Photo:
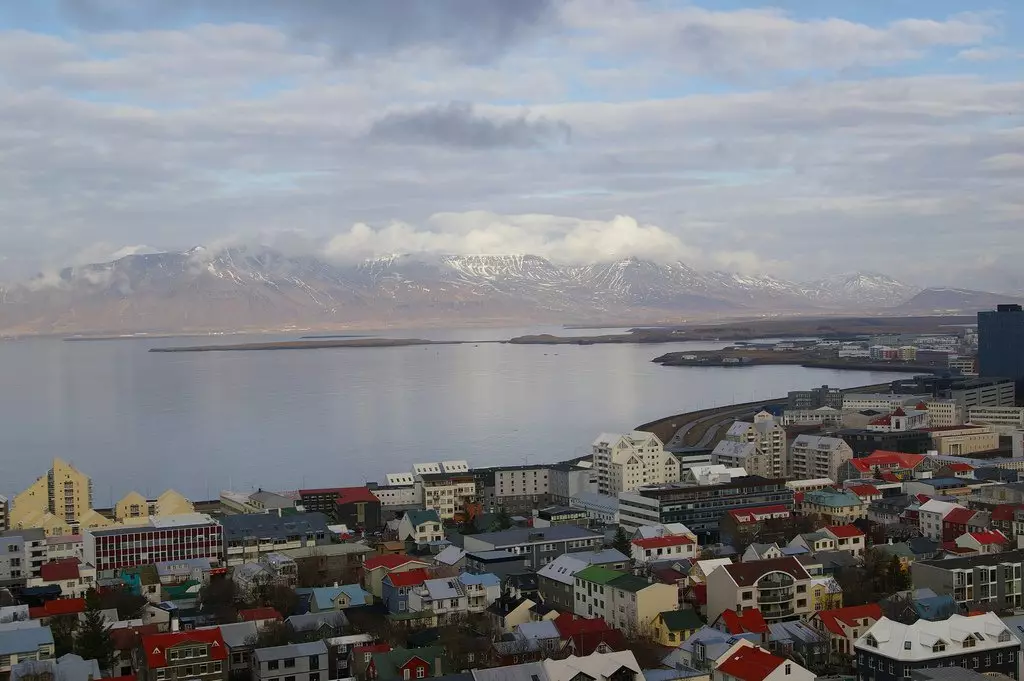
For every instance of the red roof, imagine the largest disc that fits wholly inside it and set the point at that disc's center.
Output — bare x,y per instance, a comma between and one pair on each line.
587,642
155,646
752,515
60,570
373,648
389,561
750,620
899,412
844,531
662,542
864,490
850,616
257,614
350,495
750,664
1004,512
409,577
960,467
798,497
959,516
921,406
127,638
60,606
884,458
570,625
668,575
880,421
988,537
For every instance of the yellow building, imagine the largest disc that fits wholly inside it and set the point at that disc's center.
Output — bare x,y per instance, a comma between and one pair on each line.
826,594
135,509
672,627
59,503
963,440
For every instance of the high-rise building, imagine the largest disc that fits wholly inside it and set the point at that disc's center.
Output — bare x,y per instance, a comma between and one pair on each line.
769,439
59,502
815,398
5,513
1001,342
630,460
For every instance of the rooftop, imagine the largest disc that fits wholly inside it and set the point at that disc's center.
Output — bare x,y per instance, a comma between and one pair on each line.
750,663
527,535
746,574
271,526
917,641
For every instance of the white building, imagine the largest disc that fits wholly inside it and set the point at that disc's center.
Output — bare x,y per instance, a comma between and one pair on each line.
1006,420
822,416
731,454
627,461
814,456
600,508
944,413
673,541
931,515
881,401
747,662
769,439
402,489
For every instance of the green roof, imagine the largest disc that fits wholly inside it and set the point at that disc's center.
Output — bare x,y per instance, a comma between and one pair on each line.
417,518
900,550
598,574
629,583
388,665
682,620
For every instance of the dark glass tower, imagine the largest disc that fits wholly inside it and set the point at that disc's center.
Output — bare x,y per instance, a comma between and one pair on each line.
1001,342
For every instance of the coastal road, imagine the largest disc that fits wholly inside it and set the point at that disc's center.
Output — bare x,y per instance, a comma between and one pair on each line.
711,423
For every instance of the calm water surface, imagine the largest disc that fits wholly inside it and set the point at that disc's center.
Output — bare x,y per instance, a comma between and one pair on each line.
283,419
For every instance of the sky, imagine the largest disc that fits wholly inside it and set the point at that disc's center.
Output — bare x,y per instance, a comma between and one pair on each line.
799,138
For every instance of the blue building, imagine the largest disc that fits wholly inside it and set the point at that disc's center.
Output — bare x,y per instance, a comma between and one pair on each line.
1001,342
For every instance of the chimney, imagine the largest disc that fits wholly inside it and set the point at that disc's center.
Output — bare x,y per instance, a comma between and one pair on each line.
437,666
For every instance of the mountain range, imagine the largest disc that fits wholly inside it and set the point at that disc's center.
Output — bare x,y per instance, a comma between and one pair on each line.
262,289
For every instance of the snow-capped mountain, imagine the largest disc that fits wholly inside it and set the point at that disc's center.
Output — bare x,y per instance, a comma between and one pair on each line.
259,288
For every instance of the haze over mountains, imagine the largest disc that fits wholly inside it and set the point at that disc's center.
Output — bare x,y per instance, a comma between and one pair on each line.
262,289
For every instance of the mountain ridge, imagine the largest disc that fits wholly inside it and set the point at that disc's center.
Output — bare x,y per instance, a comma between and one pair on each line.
249,288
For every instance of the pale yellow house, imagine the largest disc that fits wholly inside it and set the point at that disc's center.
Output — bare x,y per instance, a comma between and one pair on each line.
135,509
826,594
59,503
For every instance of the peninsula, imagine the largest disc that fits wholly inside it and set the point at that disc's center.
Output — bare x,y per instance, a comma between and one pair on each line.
309,345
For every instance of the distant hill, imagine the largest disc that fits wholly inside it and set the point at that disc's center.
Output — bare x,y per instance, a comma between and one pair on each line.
953,300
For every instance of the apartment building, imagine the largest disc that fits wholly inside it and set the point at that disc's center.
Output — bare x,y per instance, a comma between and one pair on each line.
843,626
731,454
134,508
24,644
249,537
539,546
625,601
448,487
965,391
931,515
22,556
555,581
655,543
963,440
74,577
401,490
944,413
195,654
984,579
700,507
59,502
891,651
293,662
815,398
1005,420
834,507
769,439
5,514
816,456
886,402
521,489
778,587
822,416
624,462
195,535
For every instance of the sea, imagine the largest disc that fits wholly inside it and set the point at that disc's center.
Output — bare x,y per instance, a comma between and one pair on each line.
287,419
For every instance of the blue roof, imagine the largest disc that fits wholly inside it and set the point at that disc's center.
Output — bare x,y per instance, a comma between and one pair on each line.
793,550
946,482
24,640
483,579
324,596
935,608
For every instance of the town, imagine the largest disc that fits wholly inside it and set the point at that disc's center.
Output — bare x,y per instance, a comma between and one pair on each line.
832,534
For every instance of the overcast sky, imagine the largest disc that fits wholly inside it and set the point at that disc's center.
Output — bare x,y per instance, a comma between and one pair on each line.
800,139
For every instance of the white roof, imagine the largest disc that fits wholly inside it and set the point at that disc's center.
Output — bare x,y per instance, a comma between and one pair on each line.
739,428
636,438
667,530
712,564
596,666
562,569
180,520
398,479
819,442
449,555
424,468
459,466
917,641
936,506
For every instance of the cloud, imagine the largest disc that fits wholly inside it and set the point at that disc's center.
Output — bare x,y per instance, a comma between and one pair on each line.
458,125
558,238
977,54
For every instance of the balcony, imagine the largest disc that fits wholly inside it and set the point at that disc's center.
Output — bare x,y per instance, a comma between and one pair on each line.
775,596
778,612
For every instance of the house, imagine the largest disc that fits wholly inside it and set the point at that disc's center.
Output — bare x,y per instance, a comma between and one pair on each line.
74,577
539,546
931,516
126,640
339,597
56,608
509,611
240,639
197,654
259,616
900,464
69,667
585,636
742,523
962,520
376,568
320,625
834,507
500,563
294,662
843,626
481,590
421,527
798,641
814,542
667,547
761,552
451,557
397,586
672,627
405,664
889,650
529,642
988,541
751,663
848,538
357,508
702,569
749,621
555,580
444,598
627,602
186,570
825,592
779,587
24,644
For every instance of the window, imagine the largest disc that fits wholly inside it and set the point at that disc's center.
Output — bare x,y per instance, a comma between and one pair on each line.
939,647
202,669
289,663
969,642
789,668
289,678
421,672
314,662
189,670
272,664
161,673
906,645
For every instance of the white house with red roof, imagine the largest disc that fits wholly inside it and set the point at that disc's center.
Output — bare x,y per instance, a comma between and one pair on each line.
663,542
759,514
195,654
931,516
986,541
752,663
378,567
899,420
74,577
866,491
847,538
843,626
898,464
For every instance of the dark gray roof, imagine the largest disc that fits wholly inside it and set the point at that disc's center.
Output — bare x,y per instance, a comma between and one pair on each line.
269,525
291,650
312,621
528,535
1015,556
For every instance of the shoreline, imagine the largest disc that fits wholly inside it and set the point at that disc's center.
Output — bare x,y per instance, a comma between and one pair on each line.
311,345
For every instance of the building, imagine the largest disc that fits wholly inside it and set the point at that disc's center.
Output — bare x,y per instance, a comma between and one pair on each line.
864,442
891,651
885,402
59,502
375,569
834,507
248,537
260,501
400,663
73,577
5,514
748,662
931,516
843,626
555,580
777,587
1000,338
769,439
624,462
521,489
900,420
166,538
986,541
358,508
421,527
700,507
815,456
881,463
18,645
963,440
822,416
625,601
1004,419
748,523
196,654
942,413
293,662
561,515
134,508
815,398
22,556
731,454
500,563
991,579
539,546
401,491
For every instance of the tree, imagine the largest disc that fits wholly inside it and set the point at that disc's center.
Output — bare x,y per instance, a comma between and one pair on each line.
63,629
621,541
92,639
220,598
274,633
127,604
469,527
502,519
